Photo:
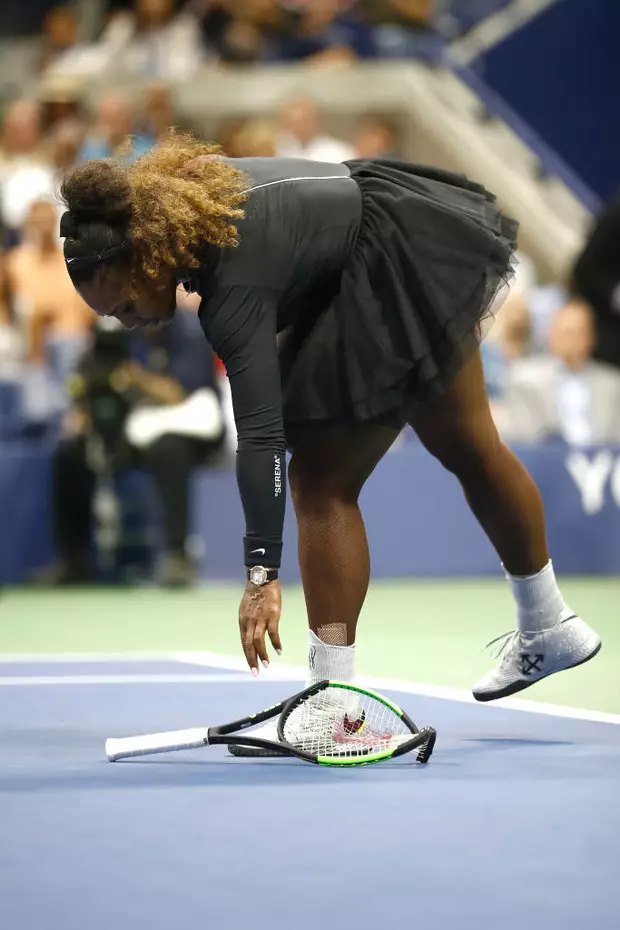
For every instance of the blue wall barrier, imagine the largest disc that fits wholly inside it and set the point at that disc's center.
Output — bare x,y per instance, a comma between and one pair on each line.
559,73
418,523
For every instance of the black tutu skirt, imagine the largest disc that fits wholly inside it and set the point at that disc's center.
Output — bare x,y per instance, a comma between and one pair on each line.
432,257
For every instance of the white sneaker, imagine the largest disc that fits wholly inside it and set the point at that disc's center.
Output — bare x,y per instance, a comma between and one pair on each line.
526,658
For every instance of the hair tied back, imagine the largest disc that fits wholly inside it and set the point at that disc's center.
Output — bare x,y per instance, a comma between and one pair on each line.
68,226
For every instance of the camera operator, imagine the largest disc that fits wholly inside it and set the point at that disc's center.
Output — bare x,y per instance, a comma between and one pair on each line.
138,398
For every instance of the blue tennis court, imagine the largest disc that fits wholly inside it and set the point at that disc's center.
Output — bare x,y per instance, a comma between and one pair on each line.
516,820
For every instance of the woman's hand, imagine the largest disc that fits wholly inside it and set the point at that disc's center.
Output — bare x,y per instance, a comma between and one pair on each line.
259,613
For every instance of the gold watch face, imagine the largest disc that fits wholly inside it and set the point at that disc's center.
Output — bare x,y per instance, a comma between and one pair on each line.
258,575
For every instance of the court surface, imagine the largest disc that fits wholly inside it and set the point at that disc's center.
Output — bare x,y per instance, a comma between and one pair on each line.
514,823
431,631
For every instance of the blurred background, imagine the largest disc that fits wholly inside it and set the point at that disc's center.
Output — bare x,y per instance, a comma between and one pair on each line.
117,451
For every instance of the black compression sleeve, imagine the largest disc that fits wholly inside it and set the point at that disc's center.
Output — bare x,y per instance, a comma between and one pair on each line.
262,487
240,323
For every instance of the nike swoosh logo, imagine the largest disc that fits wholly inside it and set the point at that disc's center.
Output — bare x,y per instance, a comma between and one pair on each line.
259,551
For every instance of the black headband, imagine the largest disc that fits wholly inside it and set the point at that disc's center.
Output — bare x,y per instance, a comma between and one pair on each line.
68,226
69,230
97,257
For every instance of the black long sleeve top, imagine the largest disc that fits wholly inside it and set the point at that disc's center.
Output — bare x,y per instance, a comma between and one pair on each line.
301,222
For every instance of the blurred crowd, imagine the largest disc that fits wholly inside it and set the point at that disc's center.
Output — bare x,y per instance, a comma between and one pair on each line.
44,326
107,400
170,39
550,375
571,326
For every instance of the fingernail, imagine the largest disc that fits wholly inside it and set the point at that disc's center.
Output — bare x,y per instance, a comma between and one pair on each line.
254,672
279,652
265,663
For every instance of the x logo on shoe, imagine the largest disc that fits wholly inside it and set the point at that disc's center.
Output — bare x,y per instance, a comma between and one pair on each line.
531,663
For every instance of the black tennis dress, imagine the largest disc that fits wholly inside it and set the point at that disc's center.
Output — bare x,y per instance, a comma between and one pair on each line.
356,290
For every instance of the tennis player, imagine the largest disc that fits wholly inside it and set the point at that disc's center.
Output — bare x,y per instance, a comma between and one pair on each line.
346,301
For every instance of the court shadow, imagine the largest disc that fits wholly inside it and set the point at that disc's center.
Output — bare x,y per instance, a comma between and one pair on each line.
193,773
453,757
471,747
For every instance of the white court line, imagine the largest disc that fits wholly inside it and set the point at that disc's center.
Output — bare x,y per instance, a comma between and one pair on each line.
278,672
466,697
94,658
441,692
41,680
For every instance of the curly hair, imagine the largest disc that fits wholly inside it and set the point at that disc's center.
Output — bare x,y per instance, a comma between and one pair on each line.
160,211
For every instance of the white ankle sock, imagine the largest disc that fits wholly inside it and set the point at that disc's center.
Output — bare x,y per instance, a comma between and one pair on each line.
335,662
540,604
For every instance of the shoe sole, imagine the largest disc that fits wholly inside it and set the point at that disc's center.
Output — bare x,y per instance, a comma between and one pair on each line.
522,685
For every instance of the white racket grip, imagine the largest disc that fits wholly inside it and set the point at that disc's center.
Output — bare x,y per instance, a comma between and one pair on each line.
154,743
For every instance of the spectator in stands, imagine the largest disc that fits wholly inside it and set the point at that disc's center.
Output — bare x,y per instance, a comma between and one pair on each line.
112,127
11,346
157,113
565,395
543,302
246,138
510,340
301,135
325,33
60,33
403,28
53,318
167,418
596,278
25,174
409,14
255,139
20,138
241,31
154,41
66,142
227,133
60,99
376,136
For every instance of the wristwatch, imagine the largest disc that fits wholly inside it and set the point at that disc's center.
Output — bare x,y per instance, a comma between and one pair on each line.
258,575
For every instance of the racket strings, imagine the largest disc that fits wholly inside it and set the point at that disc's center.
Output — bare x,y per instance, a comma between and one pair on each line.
337,722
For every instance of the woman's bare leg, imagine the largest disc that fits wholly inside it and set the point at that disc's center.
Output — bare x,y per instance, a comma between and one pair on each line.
460,432
326,478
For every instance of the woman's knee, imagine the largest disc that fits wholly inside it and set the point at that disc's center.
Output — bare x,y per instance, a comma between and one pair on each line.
316,489
459,430
467,448
478,455
337,467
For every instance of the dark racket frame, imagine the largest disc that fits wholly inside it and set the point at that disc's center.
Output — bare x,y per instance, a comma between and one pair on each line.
232,734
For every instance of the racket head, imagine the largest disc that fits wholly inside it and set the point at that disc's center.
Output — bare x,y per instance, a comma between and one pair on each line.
354,726
337,723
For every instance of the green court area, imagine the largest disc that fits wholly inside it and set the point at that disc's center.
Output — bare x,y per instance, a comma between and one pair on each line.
424,631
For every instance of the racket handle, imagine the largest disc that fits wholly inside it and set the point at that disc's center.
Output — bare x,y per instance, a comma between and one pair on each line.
154,743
